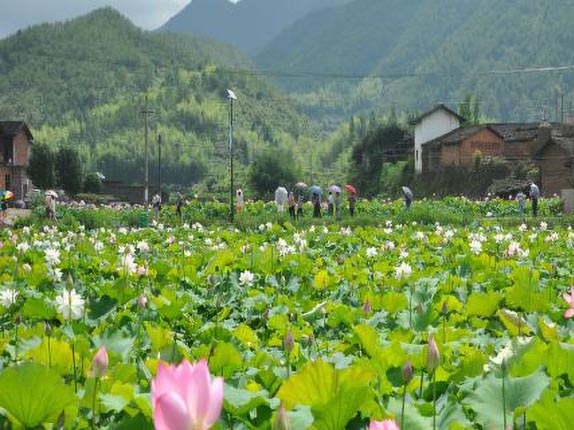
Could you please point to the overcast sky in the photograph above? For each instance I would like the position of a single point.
(19, 14)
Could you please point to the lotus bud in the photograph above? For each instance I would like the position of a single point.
(282, 421)
(142, 302)
(408, 372)
(288, 342)
(70, 282)
(48, 329)
(367, 308)
(18, 319)
(100, 363)
(444, 308)
(433, 355)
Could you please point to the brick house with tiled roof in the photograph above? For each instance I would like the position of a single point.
(15, 147)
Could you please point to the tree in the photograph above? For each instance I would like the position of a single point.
(270, 170)
(69, 170)
(369, 155)
(41, 166)
(92, 183)
(469, 109)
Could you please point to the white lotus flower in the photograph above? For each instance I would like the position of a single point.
(476, 246)
(543, 225)
(142, 246)
(52, 256)
(23, 247)
(8, 297)
(70, 305)
(128, 264)
(246, 278)
(371, 252)
(403, 270)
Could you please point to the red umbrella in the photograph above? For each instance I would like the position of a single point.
(351, 189)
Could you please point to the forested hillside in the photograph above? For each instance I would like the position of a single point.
(419, 52)
(83, 83)
(248, 25)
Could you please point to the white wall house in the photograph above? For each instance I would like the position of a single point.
(435, 123)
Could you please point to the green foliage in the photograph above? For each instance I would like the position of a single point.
(69, 170)
(33, 394)
(272, 169)
(370, 154)
(41, 168)
(92, 184)
(450, 47)
(82, 84)
(488, 403)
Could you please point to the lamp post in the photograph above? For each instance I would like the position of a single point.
(146, 112)
(231, 96)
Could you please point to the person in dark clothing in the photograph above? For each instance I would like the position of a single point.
(178, 205)
(291, 203)
(352, 203)
(316, 205)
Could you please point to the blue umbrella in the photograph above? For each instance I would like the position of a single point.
(315, 189)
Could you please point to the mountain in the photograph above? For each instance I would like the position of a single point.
(248, 24)
(409, 54)
(84, 82)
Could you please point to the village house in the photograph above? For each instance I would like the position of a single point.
(459, 147)
(15, 147)
(550, 146)
(554, 154)
(437, 122)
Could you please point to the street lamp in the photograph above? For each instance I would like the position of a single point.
(231, 96)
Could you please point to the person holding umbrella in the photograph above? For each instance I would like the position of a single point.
(534, 195)
(408, 196)
(338, 205)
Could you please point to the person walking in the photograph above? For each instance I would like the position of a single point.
(178, 205)
(291, 203)
(316, 205)
(300, 203)
(352, 203)
(338, 206)
(534, 195)
(156, 205)
(239, 200)
(520, 197)
(408, 194)
(330, 204)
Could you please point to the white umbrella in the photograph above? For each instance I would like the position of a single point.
(52, 193)
(407, 192)
(281, 195)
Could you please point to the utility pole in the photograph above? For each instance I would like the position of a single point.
(159, 164)
(231, 96)
(145, 113)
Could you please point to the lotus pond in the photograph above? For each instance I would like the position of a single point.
(333, 322)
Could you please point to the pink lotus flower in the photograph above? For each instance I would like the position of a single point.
(185, 398)
(100, 363)
(570, 300)
(383, 425)
(433, 355)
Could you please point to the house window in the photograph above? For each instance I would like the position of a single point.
(8, 181)
(417, 155)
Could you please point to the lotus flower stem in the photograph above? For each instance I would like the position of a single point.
(434, 401)
(403, 406)
(75, 370)
(94, 403)
(49, 352)
(504, 393)
(173, 347)
(421, 386)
